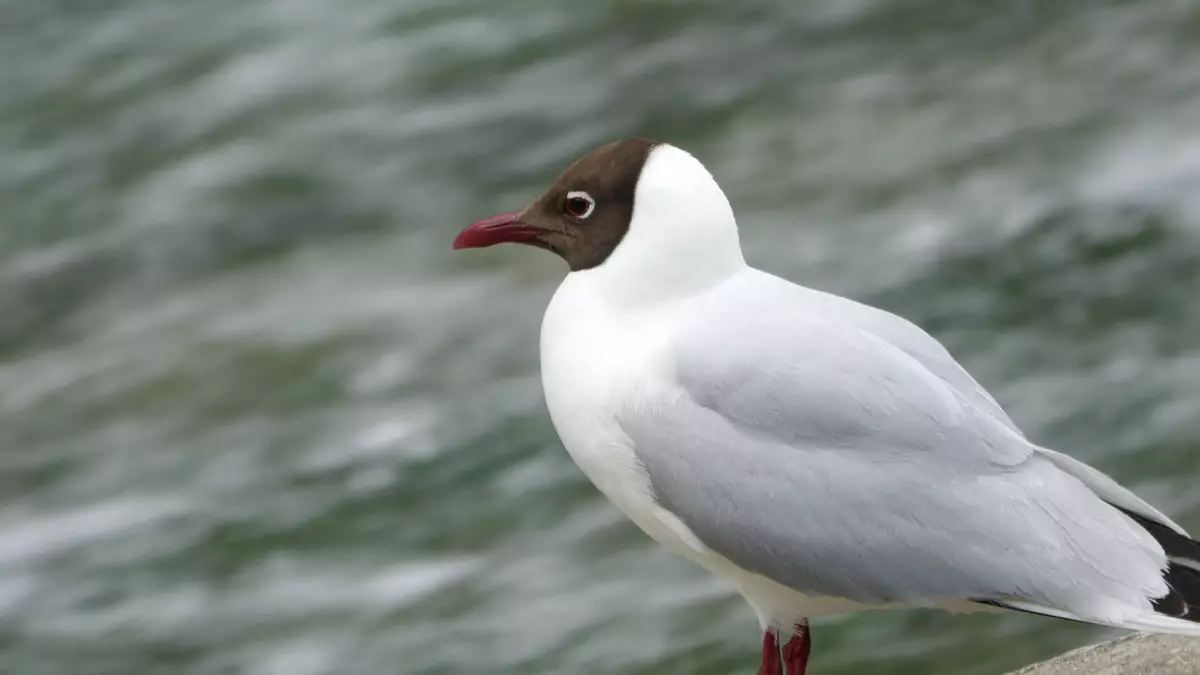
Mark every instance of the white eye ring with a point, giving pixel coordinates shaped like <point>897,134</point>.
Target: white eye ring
<point>580,194</point>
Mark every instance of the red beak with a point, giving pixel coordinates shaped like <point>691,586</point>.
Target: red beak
<point>506,227</point>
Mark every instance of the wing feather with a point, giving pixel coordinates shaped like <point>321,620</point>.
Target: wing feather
<point>847,468</point>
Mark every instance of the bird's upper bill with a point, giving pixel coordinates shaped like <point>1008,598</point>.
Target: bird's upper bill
<point>506,227</point>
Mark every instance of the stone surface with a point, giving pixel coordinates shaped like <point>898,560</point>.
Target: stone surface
<point>1142,654</point>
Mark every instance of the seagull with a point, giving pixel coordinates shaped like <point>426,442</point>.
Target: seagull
<point>821,455</point>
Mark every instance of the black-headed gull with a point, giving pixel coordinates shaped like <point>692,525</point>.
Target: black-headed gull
<point>821,455</point>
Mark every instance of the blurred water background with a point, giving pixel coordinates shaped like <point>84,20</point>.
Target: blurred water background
<point>255,417</point>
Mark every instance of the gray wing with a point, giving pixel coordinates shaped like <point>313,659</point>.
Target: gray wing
<point>821,456</point>
<point>900,333</point>
<point>934,358</point>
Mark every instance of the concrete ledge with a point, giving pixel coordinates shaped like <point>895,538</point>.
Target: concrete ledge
<point>1139,654</point>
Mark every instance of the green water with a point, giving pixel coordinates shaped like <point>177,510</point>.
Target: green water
<point>255,417</point>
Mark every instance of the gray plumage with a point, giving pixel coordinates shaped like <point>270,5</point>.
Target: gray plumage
<point>844,453</point>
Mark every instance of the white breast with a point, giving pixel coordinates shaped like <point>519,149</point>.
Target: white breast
<point>595,361</point>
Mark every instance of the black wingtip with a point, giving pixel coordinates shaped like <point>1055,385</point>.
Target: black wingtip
<point>1183,569</point>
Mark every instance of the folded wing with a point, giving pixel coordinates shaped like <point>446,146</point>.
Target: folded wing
<point>818,454</point>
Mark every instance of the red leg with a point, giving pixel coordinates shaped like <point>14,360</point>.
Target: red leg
<point>771,665</point>
<point>795,652</point>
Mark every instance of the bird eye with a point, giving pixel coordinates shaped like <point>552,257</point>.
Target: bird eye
<point>580,204</point>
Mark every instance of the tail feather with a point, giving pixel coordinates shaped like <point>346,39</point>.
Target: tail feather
<point>1158,623</point>
<point>1149,622</point>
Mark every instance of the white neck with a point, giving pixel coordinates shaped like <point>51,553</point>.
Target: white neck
<point>682,238</point>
